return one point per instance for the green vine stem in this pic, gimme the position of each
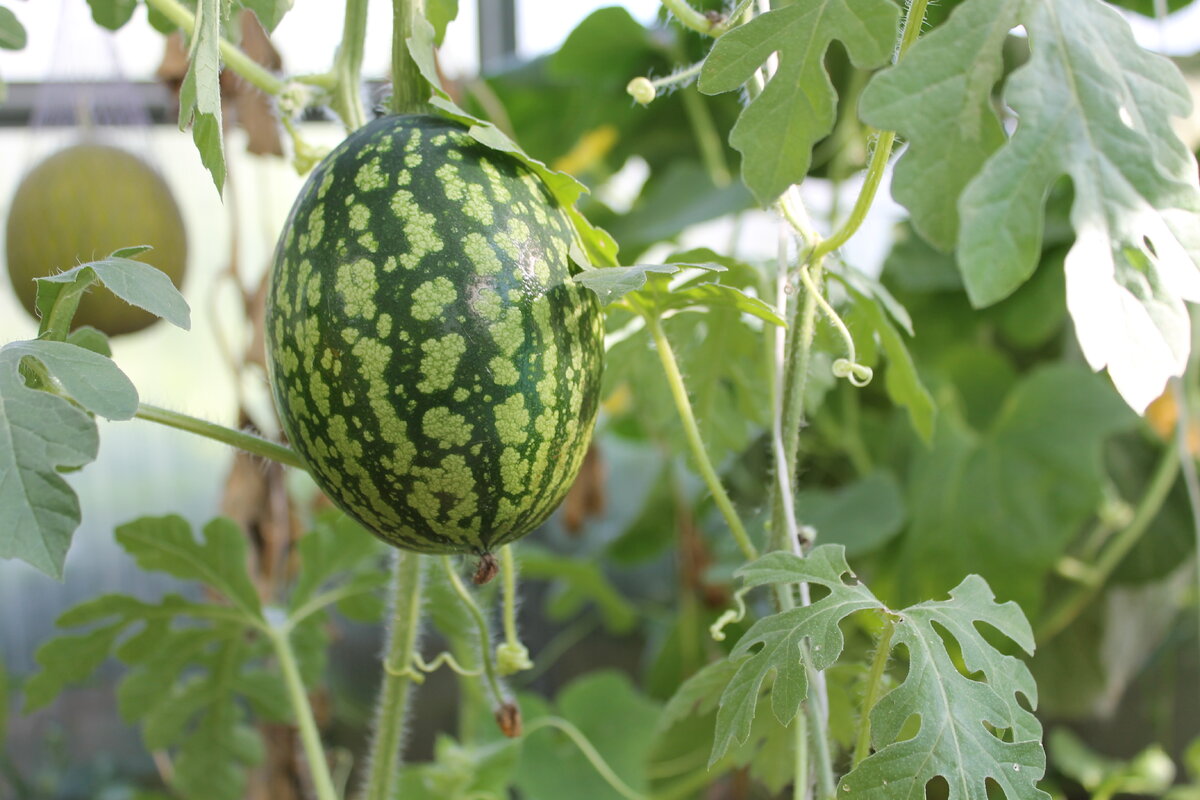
(485, 639)
(235, 59)
(255, 445)
(692, 431)
(589, 752)
(347, 67)
(801, 770)
(310, 737)
(1148, 507)
(883, 648)
(410, 91)
(691, 18)
(385, 755)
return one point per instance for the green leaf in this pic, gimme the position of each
(200, 94)
(607, 46)
(269, 12)
(40, 434)
(577, 582)
(69, 659)
(615, 718)
(953, 130)
(1093, 107)
(777, 663)
(599, 246)
(613, 283)
(860, 516)
(165, 544)
(90, 338)
(1006, 501)
(92, 380)
(954, 740)
(904, 385)
(12, 32)
(335, 546)
(137, 283)
(777, 130)
(650, 285)
(112, 14)
(440, 13)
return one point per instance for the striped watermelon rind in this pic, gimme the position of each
(430, 357)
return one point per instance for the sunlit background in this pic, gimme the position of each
(144, 469)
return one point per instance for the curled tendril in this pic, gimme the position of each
(511, 658)
(642, 90)
(730, 616)
(858, 374)
(418, 668)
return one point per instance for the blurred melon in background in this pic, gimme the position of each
(81, 204)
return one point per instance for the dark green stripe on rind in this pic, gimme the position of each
(429, 355)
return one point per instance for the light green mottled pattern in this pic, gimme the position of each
(439, 362)
(421, 324)
(356, 285)
(431, 297)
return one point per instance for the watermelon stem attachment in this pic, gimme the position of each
(255, 445)
(684, 406)
(384, 759)
(410, 90)
(347, 67)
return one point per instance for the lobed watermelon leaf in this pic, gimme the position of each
(777, 130)
(1091, 106)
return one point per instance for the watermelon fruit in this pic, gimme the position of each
(431, 359)
(81, 204)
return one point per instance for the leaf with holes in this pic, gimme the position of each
(964, 722)
(777, 664)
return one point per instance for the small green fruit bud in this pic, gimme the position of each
(642, 90)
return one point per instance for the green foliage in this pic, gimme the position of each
(1006, 500)
(200, 94)
(134, 282)
(576, 582)
(440, 13)
(1149, 772)
(1092, 106)
(617, 720)
(12, 32)
(777, 130)
(956, 705)
(861, 516)
(112, 14)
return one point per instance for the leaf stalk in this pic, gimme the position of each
(310, 737)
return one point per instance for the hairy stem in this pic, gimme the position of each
(347, 67)
(800, 783)
(310, 738)
(410, 90)
(255, 445)
(692, 431)
(385, 756)
(249, 69)
(508, 570)
(1120, 545)
(691, 18)
(883, 648)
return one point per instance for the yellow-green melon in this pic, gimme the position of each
(81, 204)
